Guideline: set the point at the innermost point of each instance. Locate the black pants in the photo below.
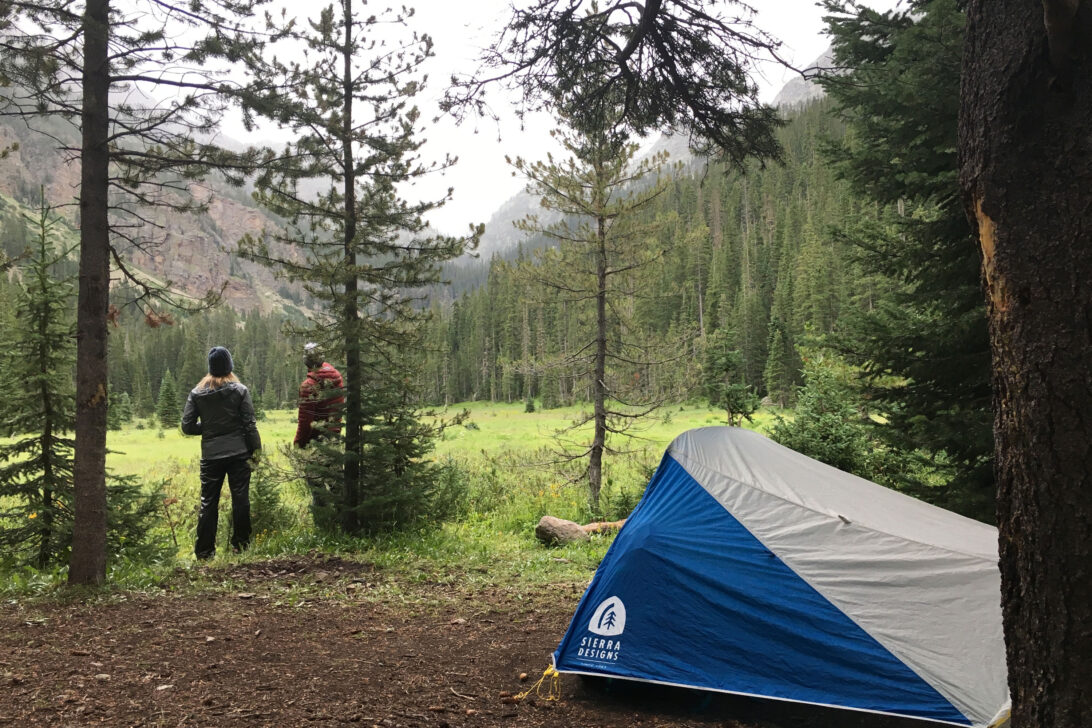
(237, 470)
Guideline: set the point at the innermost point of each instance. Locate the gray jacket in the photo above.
(224, 418)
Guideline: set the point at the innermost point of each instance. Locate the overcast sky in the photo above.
(482, 180)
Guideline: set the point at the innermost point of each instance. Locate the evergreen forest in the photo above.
(885, 271)
(842, 261)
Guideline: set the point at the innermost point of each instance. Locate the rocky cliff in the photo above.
(193, 253)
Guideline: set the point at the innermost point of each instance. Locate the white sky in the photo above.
(482, 180)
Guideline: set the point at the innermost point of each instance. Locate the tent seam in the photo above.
(753, 487)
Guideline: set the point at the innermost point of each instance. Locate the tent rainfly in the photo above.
(749, 568)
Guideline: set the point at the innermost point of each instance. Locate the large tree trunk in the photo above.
(1026, 172)
(354, 426)
(88, 562)
(47, 444)
(599, 386)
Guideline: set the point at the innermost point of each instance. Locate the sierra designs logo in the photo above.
(609, 620)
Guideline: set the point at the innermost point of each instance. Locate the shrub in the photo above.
(829, 427)
(826, 426)
(451, 494)
(268, 514)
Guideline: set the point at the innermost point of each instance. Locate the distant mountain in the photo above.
(501, 237)
(195, 253)
(501, 234)
(800, 91)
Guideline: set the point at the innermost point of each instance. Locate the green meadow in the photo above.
(498, 473)
(493, 429)
(490, 430)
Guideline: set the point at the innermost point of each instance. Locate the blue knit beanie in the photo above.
(220, 363)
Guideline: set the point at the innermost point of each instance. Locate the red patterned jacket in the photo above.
(322, 396)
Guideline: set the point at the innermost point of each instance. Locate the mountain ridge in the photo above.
(502, 237)
(197, 252)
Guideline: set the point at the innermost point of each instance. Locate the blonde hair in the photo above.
(211, 382)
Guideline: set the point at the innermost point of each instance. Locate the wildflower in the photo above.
(33, 515)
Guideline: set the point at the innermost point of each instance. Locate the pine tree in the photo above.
(826, 424)
(120, 412)
(192, 362)
(661, 64)
(36, 493)
(143, 403)
(131, 155)
(38, 409)
(259, 405)
(923, 345)
(722, 379)
(270, 398)
(782, 362)
(753, 331)
(817, 294)
(527, 363)
(779, 370)
(1025, 151)
(602, 260)
(168, 407)
(268, 514)
(365, 248)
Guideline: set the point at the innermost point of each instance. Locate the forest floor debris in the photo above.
(243, 654)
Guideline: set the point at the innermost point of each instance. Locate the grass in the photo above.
(506, 427)
(145, 448)
(492, 430)
(499, 463)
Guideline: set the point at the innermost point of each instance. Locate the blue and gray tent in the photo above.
(749, 568)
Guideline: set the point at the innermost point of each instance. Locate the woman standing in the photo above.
(220, 410)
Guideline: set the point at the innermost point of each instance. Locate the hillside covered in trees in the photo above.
(787, 266)
(753, 253)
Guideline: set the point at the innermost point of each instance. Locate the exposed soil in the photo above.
(324, 641)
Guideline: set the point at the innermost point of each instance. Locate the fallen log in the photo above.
(554, 531)
(601, 526)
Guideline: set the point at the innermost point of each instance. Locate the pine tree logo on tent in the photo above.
(609, 618)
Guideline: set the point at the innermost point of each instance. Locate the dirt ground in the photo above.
(305, 642)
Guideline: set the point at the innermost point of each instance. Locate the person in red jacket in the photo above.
(322, 395)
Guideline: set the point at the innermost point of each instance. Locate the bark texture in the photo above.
(599, 386)
(88, 561)
(1026, 171)
(350, 516)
